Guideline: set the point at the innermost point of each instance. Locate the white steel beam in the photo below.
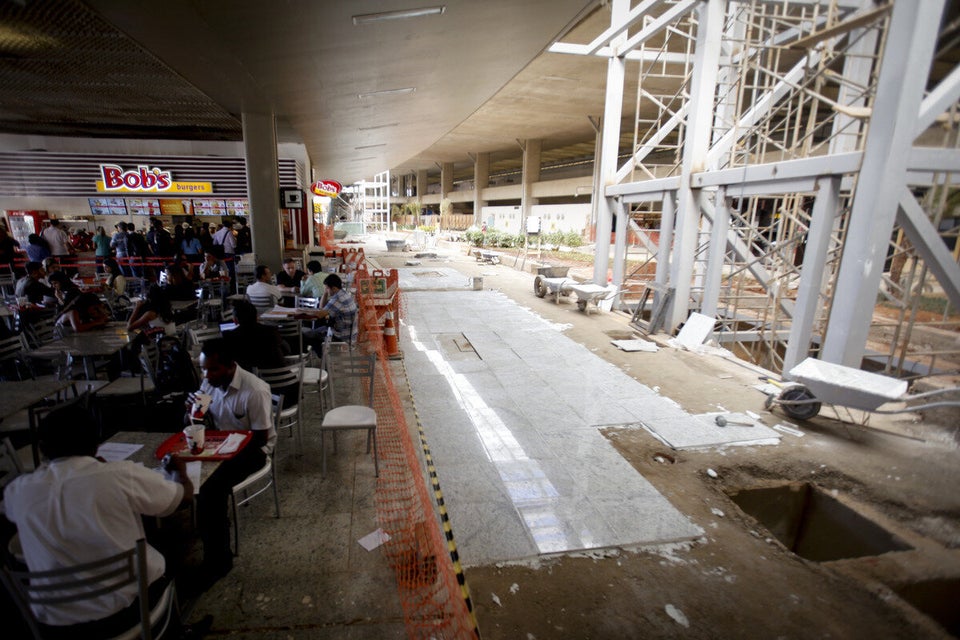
(933, 159)
(666, 242)
(718, 251)
(837, 164)
(943, 96)
(710, 15)
(903, 74)
(618, 28)
(643, 188)
(668, 57)
(619, 250)
(657, 25)
(825, 209)
(609, 148)
(930, 246)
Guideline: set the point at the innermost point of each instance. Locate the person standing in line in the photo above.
(9, 249)
(101, 247)
(244, 239)
(37, 249)
(191, 247)
(120, 245)
(59, 241)
(224, 238)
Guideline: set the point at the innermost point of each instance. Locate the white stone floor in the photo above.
(522, 464)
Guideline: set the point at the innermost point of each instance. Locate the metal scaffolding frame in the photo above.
(791, 174)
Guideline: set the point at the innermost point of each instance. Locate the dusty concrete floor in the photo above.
(737, 581)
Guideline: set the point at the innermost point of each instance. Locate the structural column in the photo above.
(481, 180)
(903, 75)
(421, 183)
(699, 120)
(263, 187)
(531, 176)
(609, 147)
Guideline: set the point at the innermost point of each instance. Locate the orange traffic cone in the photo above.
(390, 344)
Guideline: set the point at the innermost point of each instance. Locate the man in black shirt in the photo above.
(31, 285)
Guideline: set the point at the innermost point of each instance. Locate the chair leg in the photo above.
(236, 525)
(376, 460)
(323, 451)
(276, 496)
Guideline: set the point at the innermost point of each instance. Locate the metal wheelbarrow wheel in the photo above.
(582, 305)
(539, 287)
(796, 403)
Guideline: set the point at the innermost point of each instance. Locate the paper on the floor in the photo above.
(374, 539)
(635, 345)
(114, 451)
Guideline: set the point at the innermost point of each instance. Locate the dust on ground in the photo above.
(900, 471)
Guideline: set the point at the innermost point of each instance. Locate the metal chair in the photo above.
(94, 579)
(199, 335)
(263, 302)
(350, 416)
(263, 479)
(10, 465)
(288, 382)
(12, 359)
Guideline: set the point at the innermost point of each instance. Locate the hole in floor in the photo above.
(815, 525)
(937, 599)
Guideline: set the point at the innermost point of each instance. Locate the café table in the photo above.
(89, 345)
(146, 454)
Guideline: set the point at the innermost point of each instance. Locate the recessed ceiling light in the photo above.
(402, 14)
(386, 92)
(371, 146)
(379, 126)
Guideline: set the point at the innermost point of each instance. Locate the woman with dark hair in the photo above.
(115, 280)
(153, 314)
(101, 247)
(190, 246)
(80, 310)
(177, 285)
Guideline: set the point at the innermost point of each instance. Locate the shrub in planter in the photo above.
(572, 239)
(474, 237)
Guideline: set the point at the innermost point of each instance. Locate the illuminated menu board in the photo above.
(229, 207)
(108, 206)
(143, 206)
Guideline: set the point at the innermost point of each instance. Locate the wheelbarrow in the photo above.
(815, 382)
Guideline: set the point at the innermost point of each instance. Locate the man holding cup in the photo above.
(239, 401)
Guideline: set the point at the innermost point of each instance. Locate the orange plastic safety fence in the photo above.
(431, 585)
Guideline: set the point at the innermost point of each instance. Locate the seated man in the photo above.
(339, 312)
(289, 281)
(312, 285)
(241, 402)
(32, 286)
(262, 288)
(75, 509)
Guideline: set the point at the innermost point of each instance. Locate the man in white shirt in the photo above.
(58, 239)
(240, 402)
(262, 289)
(224, 237)
(75, 509)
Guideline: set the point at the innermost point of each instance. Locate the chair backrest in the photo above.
(282, 379)
(41, 331)
(263, 302)
(199, 335)
(10, 351)
(350, 365)
(81, 582)
(10, 466)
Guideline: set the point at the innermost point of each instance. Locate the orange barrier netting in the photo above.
(432, 588)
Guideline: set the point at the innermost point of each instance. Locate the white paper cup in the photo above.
(195, 437)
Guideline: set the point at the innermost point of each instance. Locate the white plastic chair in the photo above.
(351, 366)
(263, 479)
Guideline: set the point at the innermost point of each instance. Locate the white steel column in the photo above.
(811, 272)
(620, 246)
(609, 145)
(718, 250)
(481, 180)
(263, 186)
(699, 121)
(903, 76)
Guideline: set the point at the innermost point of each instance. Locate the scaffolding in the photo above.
(790, 178)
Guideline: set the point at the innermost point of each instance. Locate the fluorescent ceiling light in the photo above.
(386, 92)
(379, 126)
(371, 146)
(364, 158)
(402, 14)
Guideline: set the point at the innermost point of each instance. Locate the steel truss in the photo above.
(791, 174)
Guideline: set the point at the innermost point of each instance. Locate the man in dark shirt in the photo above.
(255, 345)
(31, 285)
(290, 276)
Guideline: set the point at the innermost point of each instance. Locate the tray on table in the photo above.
(177, 444)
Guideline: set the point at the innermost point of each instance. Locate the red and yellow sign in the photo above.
(328, 188)
(145, 179)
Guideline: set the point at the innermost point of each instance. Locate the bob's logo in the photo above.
(142, 179)
(329, 188)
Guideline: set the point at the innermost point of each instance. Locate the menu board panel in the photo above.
(238, 207)
(108, 206)
(169, 206)
(143, 206)
(207, 207)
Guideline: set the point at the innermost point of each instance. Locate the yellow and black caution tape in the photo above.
(444, 518)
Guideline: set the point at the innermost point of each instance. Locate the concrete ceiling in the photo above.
(188, 69)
